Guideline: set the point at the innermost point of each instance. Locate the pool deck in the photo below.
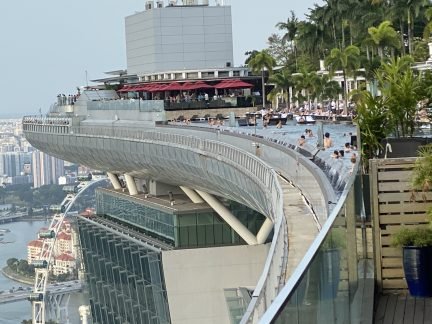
(400, 309)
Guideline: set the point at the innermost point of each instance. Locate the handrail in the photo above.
(270, 282)
(289, 288)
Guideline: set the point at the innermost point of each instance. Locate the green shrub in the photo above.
(418, 236)
(336, 239)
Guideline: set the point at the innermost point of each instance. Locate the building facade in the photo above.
(126, 273)
(46, 169)
(176, 38)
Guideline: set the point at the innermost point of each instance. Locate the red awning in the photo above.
(188, 86)
(233, 84)
(125, 88)
(173, 86)
(157, 87)
(200, 85)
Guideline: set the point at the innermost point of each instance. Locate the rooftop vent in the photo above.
(159, 4)
(149, 5)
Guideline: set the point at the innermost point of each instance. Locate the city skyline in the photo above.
(62, 46)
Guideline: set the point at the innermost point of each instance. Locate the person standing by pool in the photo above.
(328, 142)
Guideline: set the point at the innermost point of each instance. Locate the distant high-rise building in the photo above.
(12, 163)
(46, 169)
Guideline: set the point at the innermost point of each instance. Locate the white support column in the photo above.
(264, 231)
(84, 312)
(131, 185)
(228, 217)
(114, 180)
(196, 199)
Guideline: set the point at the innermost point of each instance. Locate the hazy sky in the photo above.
(46, 46)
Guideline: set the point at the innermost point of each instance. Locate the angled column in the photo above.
(264, 231)
(84, 312)
(196, 199)
(228, 217)
(131, 185)
(114, 180)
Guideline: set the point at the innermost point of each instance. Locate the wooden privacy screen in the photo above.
(393, 204)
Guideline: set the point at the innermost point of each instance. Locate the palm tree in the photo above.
(283, 81)
(428, 28)
(291, 27)
(384, 36)
(413, 8)
(306, 82)
(326, 89)
(347, 60)
(260, 62)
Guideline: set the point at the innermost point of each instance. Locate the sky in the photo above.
(50, 46)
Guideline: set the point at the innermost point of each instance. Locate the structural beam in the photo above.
(264, 231)
(114, 180)
(131, 185)
(228, 217)
(196, 199)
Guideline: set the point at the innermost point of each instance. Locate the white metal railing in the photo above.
(270, 281)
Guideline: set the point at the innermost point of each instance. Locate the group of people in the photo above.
(62, 100)
(307, 134)
(340, 154)
(215, 122)
(186, 97)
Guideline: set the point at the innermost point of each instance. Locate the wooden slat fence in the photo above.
(393, 204)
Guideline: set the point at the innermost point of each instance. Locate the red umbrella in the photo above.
(140, 87)
(173, 86)
(188, 86)
(233, 84)
(158, 87)
(200, 85)
(129, 88)
(241, 84)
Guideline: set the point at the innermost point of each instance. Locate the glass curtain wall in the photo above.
(192, 229)
(152, 221)
(125, 278)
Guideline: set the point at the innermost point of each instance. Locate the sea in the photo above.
(14, 245)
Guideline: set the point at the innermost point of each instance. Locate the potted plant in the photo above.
(416, 258)
(417, 241)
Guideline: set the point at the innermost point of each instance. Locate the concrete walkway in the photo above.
(302, 227)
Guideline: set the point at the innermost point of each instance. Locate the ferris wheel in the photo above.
(42, 266)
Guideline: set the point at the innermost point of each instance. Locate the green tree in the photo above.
(23, 267)
(422, 175)
(402, 90)
(290, 27)
(347, 60)
(250, 55)
(412, 9)
(279, 50)
(306, 82)
(283, 81)
(373, 124)
(384, 36)
(260, 62)
(327, 89)
(12, 263)
(428, 28)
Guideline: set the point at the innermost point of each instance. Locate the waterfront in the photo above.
(20, 234)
